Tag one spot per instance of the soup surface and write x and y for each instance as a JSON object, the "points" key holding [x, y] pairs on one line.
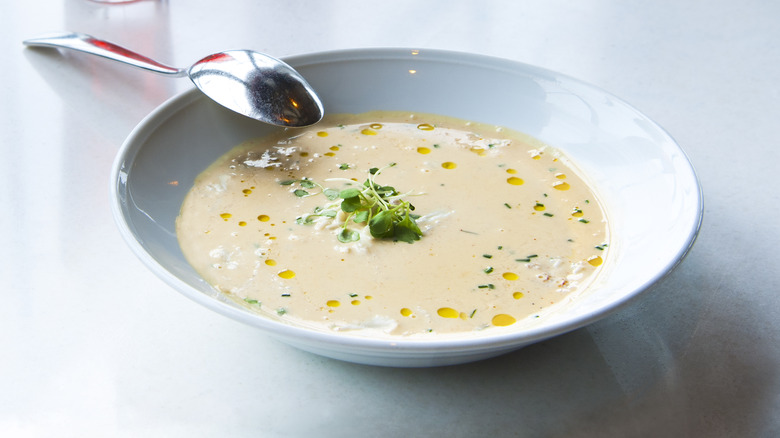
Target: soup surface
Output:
{"points": [[395, 224]]}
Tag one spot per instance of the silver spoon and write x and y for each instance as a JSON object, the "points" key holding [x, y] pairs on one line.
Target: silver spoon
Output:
{"points": [[250, 83]]}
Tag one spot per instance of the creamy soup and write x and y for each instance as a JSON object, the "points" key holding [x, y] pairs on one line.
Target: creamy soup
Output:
{"points": [[395, 224]]}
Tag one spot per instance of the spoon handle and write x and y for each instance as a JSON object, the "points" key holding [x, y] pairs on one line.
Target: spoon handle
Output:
{"points": [[88, 44]]}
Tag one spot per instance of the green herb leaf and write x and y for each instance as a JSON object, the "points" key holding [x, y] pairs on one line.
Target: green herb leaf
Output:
{"points": [[381, 225], [331, 194], [349, 193], [350, 205], [361, 216], [381, 207], [346, 235], [407, 230]]}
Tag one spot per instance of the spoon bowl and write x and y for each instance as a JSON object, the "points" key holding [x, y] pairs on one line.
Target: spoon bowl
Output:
{"points": [[250, 83]]}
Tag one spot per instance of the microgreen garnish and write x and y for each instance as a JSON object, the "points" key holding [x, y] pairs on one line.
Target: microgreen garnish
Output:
{"points": [[382, 208]]}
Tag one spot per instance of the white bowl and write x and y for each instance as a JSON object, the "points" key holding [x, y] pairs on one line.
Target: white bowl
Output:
{"points": [[649, 187]]}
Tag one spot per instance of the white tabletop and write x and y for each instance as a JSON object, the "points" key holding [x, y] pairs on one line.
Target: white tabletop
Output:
{"points": [[92, 344]]}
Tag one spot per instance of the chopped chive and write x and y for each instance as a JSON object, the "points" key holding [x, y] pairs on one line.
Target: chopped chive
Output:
{"points": [[584, 221], [487, 256], [285, 295], [472, 313], [548, 214], [353, 295], [488, 270], [526, 260], [507, 205]]}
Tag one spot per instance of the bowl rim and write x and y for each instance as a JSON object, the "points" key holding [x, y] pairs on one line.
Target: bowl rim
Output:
{"points": [[448, 343]]}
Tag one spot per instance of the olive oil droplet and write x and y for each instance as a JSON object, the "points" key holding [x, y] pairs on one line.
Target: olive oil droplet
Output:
{"points": [[595, 261], [448, 312], [503, 320], [287, 274]]}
